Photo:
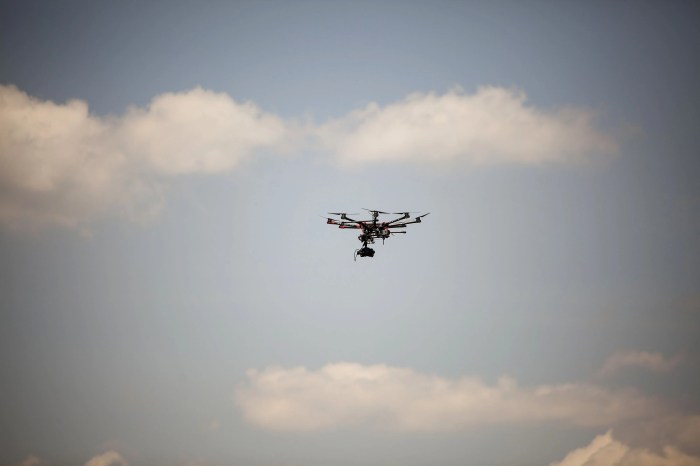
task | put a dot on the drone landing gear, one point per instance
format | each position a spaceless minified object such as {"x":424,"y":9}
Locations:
{"x":364,"y":251}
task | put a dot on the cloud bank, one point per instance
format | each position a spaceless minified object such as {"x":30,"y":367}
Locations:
{"x":492,"y":126}
{"x":605,"y":450}
{"x":61,"y":165}
{"x":348,"y":394}
{"x":198,"y":132}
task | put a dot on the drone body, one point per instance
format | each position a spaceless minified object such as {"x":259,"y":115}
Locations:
{"x":373,"y":229}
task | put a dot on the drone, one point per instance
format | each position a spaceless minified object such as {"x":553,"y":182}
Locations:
{"x":374,"y":228}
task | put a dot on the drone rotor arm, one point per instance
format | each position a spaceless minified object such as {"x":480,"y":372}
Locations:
{"x":352,"y":220}
{"x":415,"y":220}
{"x":333,"y":221}
{"x":404,"y":217}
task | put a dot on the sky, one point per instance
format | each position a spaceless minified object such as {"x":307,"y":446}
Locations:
{"x":171,"y":295}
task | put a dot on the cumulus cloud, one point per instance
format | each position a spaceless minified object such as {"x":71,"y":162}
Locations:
{"x":198,"y":132}
{"x":605,"y":450}
{"x":494,"y":125}
{"x":681,"y":431}
{"x":650,"y":361}
{"x":60,"y":165}
{"x":109,"y":458}
{"x":348,"y":394}
{"x":56,"y":164}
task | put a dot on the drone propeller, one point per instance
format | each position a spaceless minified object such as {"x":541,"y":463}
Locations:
{"x":418,"y":219}
{"x":341,"y":213}
{"x":404,"y":213}
{"x":377,"y":211}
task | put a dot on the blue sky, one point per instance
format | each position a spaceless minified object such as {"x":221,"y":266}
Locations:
{"x":170,"y":295}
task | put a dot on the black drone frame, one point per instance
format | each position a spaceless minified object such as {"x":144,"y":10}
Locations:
{"x":373,"y":229}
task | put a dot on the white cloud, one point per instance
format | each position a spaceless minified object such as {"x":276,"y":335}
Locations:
{"x":198,"y":132}
{"x":347,"y":394}
{"x":605,"y":450}
{"x":493,"y":125}
{"x":681,"y":431}
{"x":651,"y":361}
{"x":109,"y":458}
{"x":56,"y":164}
{"x":60,"y":165}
